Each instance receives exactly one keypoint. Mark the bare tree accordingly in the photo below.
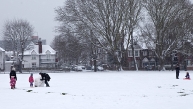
(17, 32)
(134, 18)
(112, 22)
(71, 50)
(169, 24)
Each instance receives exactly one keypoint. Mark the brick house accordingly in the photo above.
(148, 59)
(145, 58)
(137, 49)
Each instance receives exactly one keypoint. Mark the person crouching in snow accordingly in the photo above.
(31, 80)
(187, 75)
(46, 78)
(12, 82)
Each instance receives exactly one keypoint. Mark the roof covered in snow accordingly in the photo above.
(35, 49)
(136, 46)
(142, 46)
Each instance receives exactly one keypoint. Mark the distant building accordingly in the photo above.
(145, 58)
(2, 59)
(39, 56)
(137, 49)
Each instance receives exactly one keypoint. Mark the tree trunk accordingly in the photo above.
(133, 51)
(162, 64)
(20, 66)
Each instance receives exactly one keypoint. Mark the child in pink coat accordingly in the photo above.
(12, 82)
(31, 80)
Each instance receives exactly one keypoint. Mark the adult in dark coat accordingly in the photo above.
(43, 75)
(13, 73)
(177, 71)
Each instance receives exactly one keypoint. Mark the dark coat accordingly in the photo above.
(13, 73)
(187, 76)
(177, 68)
(43, 75)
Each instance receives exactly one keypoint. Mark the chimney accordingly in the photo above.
(40, 45)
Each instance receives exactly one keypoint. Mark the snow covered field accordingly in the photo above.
(100, 90)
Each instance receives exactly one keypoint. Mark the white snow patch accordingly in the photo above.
(100, 90)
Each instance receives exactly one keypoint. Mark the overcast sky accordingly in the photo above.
(39, 13)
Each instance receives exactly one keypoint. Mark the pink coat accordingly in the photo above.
(12, 82)
(31, 79)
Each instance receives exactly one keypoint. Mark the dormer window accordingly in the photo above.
(48, 54)
(33, 55)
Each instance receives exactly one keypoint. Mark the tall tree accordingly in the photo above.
(169, 24)
(17, 32)
(134, 18)
(71, 50)
(109, 20)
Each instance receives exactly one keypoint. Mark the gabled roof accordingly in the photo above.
(136, 46)
(145, 60)
(35, 48)
(144, 46)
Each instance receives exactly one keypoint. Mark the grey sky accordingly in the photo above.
(40, 14)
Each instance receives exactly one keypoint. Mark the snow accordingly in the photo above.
(32, 47)
(1, 49)
(100, 90)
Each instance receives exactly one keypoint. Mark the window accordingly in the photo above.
(33, 57)
(33, 64)
(150, 53)
(130, 52)
(144, 53)
(136, 53)
(48, 54)
(145, 64)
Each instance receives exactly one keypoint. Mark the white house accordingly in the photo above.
(39, 56)
(2, 59)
